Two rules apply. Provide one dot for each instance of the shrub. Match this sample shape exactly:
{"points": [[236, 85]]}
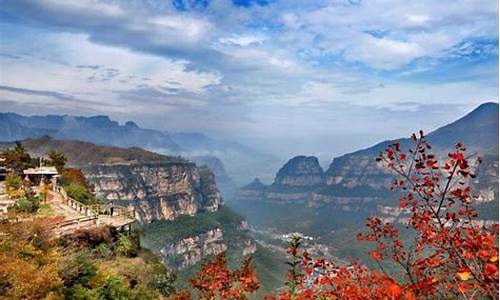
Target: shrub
{"points": [[71, 175], [79, 193], [78, 271], [216, 281], [125, 245], [103, 251], [165, 283], [27, 205], [91, 237], [14, 186]]}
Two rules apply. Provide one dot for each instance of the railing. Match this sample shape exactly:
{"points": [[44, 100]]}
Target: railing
{"points": [[96, 210], [88, 210], [78, 221]]}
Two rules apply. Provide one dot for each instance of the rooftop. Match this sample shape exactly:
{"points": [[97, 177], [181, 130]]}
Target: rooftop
{"points": [[41, 171]]}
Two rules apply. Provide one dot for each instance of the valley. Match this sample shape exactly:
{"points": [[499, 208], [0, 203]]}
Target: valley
{"points": [[188, 209]]}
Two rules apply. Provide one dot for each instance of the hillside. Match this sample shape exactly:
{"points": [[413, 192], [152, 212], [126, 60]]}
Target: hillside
{"points": [[82, 153], [478, 130]]}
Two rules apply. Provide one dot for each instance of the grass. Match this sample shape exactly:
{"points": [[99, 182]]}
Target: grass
{"points": [[45, 210]]}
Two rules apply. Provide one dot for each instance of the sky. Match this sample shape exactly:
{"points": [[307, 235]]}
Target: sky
{"points": [[285, 77]]}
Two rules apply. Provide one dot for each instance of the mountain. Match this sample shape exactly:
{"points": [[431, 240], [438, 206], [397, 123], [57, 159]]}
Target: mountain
{"points": [[226, 184], [478, 130], [300, 171], [84, 153], [158, 187], [238, 160], [97, 129], [332, 206]]}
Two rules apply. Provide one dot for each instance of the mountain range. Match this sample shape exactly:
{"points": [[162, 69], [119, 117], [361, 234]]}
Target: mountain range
{"points": [[102, 130], [332, 205]]}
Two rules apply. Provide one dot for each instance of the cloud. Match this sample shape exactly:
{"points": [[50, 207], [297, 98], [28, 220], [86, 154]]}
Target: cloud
{"points": [[56, 95], [253, 67]]}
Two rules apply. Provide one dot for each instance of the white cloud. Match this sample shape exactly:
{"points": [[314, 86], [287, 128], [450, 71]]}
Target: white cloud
{"points": [[243, 40]]}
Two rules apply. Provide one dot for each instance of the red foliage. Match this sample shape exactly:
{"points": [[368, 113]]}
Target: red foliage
{"points": [[452, 256], [216, 281], [76, 176]]}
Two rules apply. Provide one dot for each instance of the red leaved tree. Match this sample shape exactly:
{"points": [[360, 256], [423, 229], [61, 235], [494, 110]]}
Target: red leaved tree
{"points": [[216, 281], [453, 255]]}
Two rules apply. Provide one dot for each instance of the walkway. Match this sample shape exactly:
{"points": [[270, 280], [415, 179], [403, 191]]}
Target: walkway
{"points": [[57, 204], [80, 216]]}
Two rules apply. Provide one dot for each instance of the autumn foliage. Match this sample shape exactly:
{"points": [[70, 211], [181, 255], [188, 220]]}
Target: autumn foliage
{"points": [[452, 256], [216, 281]]}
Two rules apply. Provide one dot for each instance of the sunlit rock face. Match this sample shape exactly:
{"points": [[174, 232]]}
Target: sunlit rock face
{"points": [[301, 171], [189, 251], [157, 191]]}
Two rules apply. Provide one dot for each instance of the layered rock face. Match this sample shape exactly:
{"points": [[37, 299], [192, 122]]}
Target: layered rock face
{"points": [[191, 250], [157, 191], [357, 178], [301, 171]]}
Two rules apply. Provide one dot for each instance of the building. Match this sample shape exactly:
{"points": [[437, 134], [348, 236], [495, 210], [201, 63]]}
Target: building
{"points": [[37, 175]]}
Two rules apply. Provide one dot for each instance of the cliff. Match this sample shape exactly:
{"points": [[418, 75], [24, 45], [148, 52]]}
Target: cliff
{"points": [[300, 171], [157, 190], [159, 187], [187, 240]]}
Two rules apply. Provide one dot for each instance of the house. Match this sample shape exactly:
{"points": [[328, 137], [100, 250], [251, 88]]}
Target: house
{"points": [[37, 175]]}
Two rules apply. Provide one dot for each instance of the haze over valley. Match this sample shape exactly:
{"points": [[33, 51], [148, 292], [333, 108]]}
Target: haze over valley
{"points": [[249, 149]]}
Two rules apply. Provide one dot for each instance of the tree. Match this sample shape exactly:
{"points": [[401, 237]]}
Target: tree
{"points": [[14, 186], [452, 257], [17, 159], [57, 159], [216, 281], [70, 175]]}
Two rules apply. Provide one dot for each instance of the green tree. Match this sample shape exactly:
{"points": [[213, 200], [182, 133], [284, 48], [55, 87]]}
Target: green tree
{"points": [[17, 159], [57, 159], [14, 186], [79, 193]]}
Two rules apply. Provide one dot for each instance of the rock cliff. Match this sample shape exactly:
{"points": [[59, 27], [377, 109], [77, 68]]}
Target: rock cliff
{"points": [[157, 190], [356, 178], [159, 187], [300, 171], [190, 250]]}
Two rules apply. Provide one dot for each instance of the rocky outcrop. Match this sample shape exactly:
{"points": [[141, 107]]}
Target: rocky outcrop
{"points": [[224, 182], [254, 190], [300, 171], [351, 171], [157, 190], [191, 250]]}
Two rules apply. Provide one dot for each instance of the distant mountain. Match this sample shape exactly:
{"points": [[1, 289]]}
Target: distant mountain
{"points": [[478, 130], [224, 182], [300, 171], [356, 178], [98, 129], [241, 162]]}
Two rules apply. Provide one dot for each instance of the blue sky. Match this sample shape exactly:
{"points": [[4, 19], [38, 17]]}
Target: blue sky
{"points": [[289, 77]]}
